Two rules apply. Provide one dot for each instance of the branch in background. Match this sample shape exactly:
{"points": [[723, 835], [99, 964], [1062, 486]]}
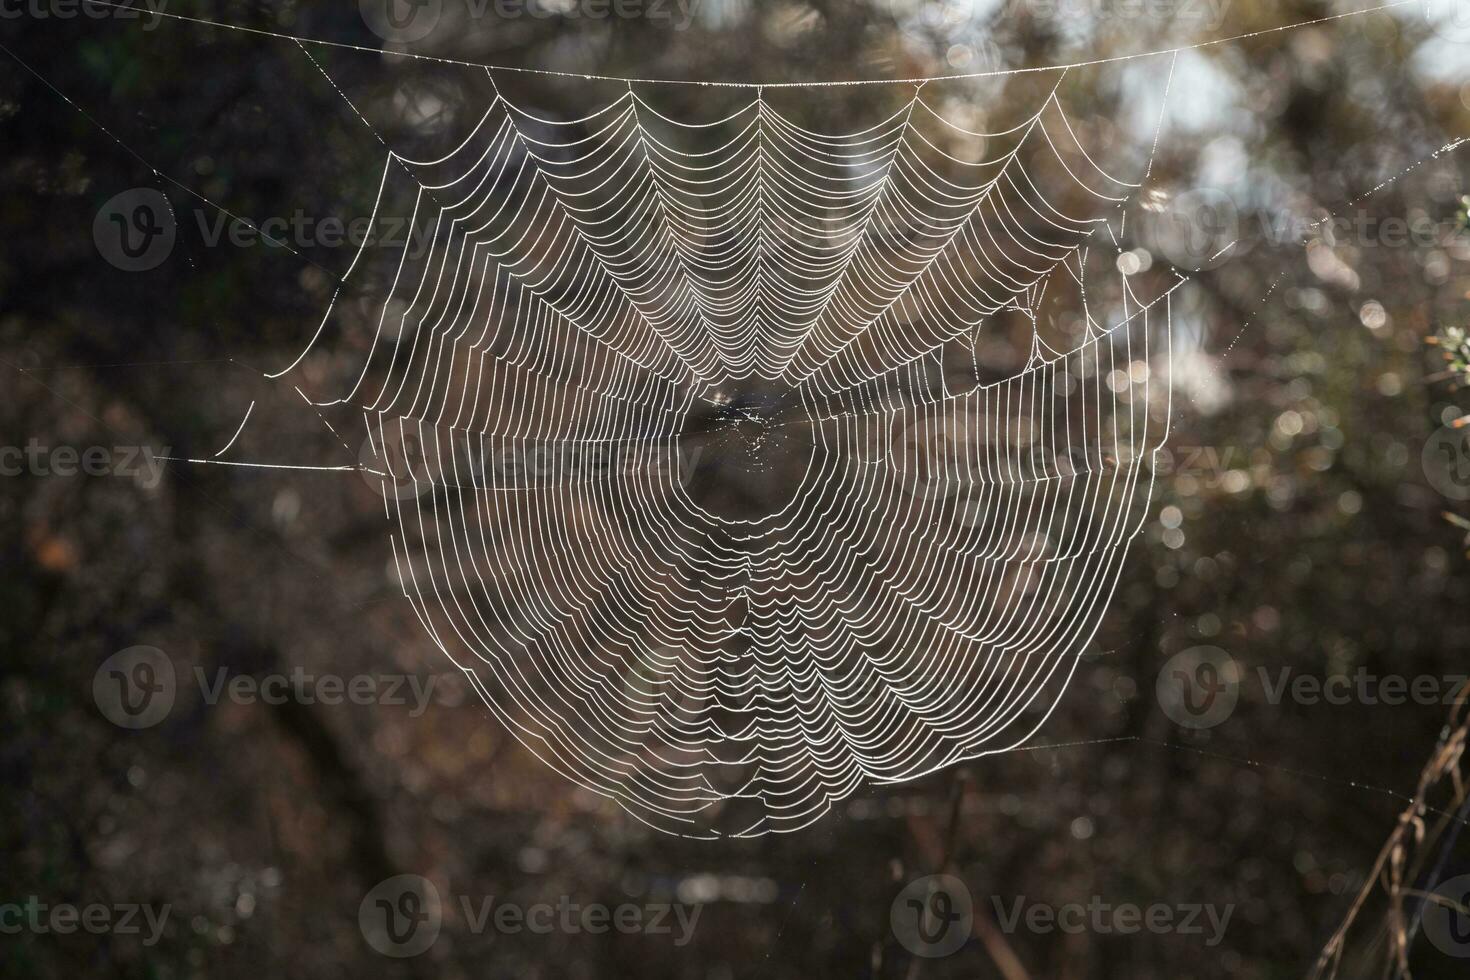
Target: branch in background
{"points": [[1408, 867]]}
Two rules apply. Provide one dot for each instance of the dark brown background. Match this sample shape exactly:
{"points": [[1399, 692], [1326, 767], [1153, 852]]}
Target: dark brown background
{"points": [[1333, 555]]}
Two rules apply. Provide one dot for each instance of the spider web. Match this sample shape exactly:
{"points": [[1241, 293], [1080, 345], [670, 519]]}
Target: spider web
{"points": [[888, 563], [676, 466]]}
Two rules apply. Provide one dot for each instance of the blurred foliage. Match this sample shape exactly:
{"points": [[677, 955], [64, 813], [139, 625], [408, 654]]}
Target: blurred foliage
{"points": [[1455, 343], [1302, 536]]}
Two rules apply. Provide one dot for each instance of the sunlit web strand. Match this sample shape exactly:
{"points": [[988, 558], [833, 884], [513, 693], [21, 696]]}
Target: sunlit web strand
{"points": [[996, 73]]}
